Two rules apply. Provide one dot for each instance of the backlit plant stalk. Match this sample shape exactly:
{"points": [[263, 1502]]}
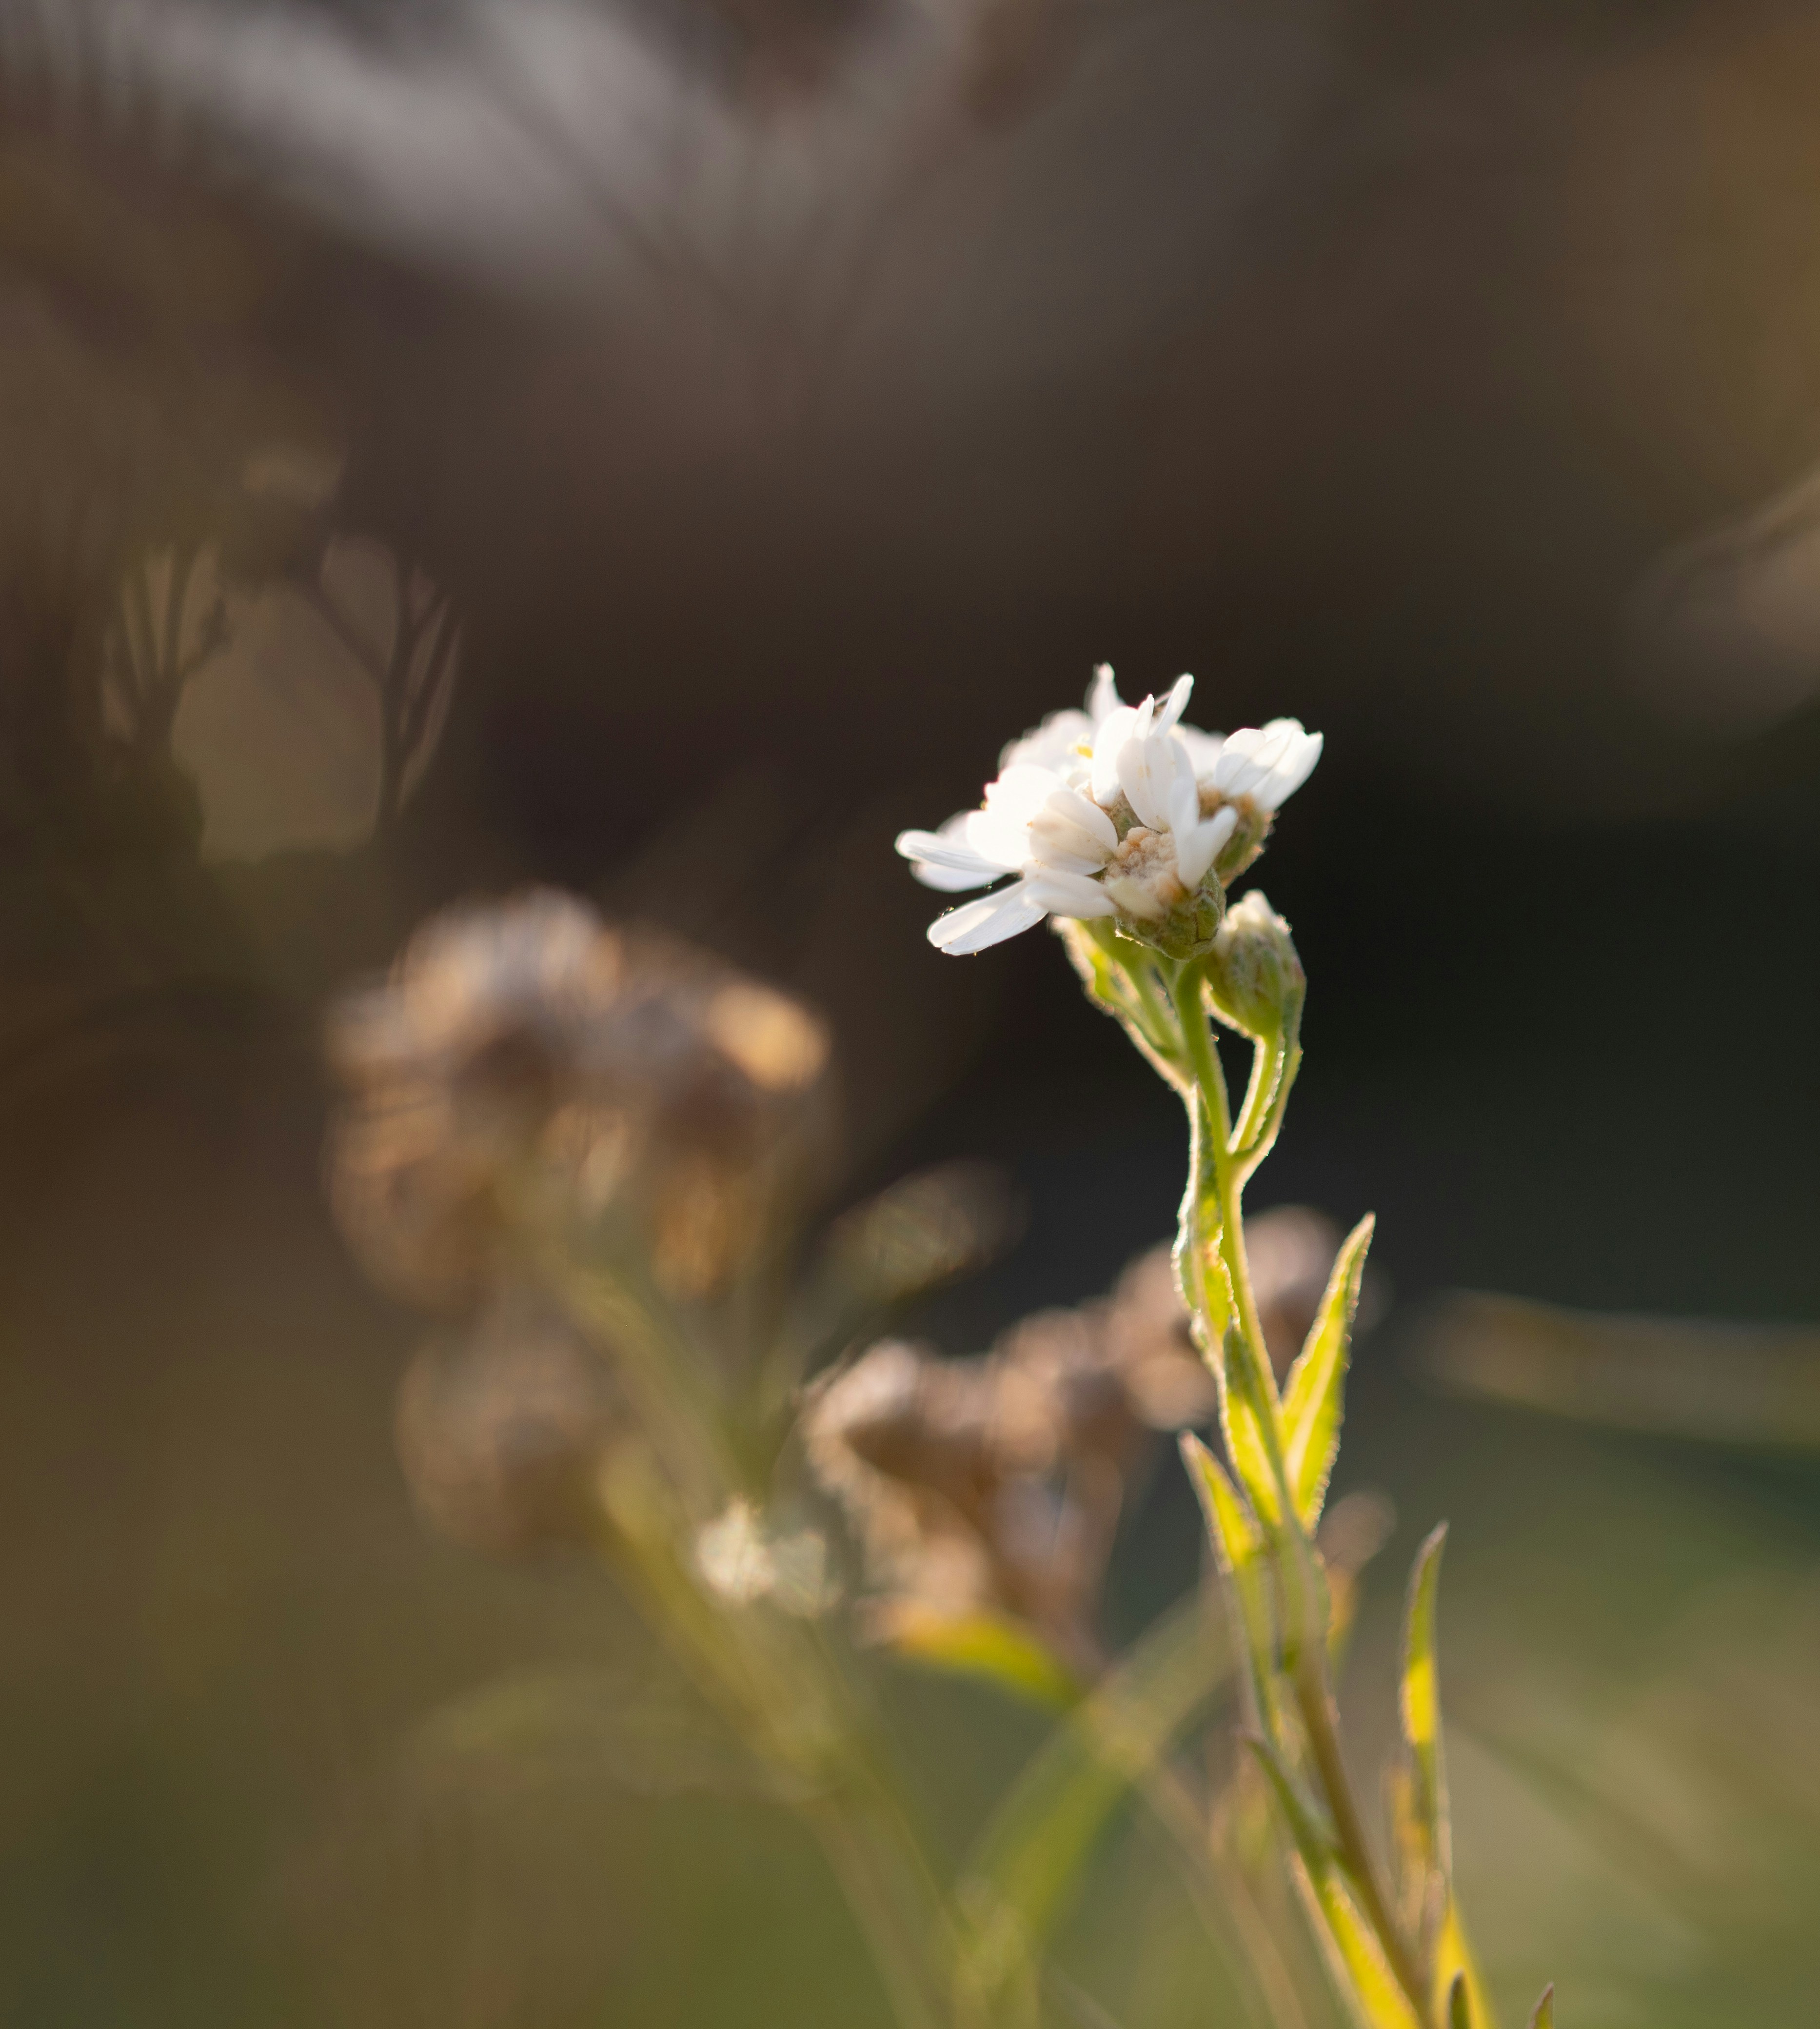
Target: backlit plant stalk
{"points": [[588, 1143], [1126, 827]]}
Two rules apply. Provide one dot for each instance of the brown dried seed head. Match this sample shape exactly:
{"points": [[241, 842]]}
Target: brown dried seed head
{"points": [[501, 1430]]}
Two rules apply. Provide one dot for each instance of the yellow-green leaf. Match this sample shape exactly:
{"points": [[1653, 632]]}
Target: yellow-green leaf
{"points": [[1247, 1408], [1003, 1651], [1543, 2017], [1239, 1549], [1314, 1400], [1421, 1715], [1361, 1971], [1459, 2008]]}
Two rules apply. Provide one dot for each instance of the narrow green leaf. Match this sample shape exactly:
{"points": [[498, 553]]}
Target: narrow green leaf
{"points": [[992, 1646], [1239, 1549], [1421, 1716], [1361, 1971], [1454, 1965], [1314, 1400], [1021, 1872], [1459, 2008], [1247, 1407], [1543, 2017]]}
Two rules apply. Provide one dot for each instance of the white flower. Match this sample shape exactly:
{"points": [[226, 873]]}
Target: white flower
{"points": [[1117, 809], [740, 1561]]}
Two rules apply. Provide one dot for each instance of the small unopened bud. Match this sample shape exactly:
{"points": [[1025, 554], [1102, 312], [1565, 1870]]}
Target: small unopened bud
{"points": [[1256, 978]]}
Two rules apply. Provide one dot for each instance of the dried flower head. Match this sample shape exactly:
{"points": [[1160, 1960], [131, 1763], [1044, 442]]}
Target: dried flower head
{"points": [[525, 1049], [500, 1428], [993, 1484]]}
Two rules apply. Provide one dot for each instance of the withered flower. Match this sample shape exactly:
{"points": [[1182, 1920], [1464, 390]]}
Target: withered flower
{"points": [[525, 1053], [994, 1484], [501, 1428]]}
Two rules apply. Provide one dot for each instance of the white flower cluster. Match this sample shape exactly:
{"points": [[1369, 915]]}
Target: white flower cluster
{"points": [[1115, 810]]}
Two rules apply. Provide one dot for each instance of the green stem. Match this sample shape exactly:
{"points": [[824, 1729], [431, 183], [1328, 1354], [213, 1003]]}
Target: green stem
{"points": [[1314, 1702], [1223, 1901], [888, 1890], [1233, 1158]]}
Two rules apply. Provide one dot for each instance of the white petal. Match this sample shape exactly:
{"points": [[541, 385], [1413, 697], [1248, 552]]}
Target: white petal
{"points": [[1197, 846], [976, 925], [1022, 790], [1250, 754], [940, 860], [1185, 802], [1176, 704], [1114, 730], [1004, 841], [1082, 810], [1290, 771], [1201, 748], [1053, 842], [1147, 770], [1057, 743], [954, 880], [1104, 698], [1068, 894]]}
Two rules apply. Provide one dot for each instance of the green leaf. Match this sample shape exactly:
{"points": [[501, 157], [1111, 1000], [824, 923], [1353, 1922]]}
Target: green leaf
{"points": [[1459, 2008], [1239, 1549], [1314, 1401], [1026, 1864], [1360, 1970], [1454, 1967], [1543, 2017], [1247, 1409], [993, 1646], [1420, 1701]]}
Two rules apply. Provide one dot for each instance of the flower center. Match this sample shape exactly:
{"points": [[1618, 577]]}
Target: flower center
{"points": [[1141, 875]]}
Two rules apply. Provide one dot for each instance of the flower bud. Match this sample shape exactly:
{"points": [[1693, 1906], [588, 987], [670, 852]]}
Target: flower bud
{"points": [[1256, 978]]}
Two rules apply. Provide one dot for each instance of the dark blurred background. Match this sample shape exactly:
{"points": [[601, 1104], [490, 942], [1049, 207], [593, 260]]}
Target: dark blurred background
{"points": [[784, 402]]}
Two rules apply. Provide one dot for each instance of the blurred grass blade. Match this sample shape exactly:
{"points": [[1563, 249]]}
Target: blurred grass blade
{"points": [[563, 1727], [1421, 1703], [1314, 1400], [1240, 1550], [1543, 2017], [1719, 1382], [1459, 2008], [1025, 1865], [992, 1646], [1361, 1972]]}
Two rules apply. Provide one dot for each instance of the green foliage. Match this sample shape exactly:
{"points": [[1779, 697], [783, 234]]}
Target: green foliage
{"points": [[1314, 1401], [1027, 1863], [1239, 1549], [1543, 2017], [1421, 1710], [1251, 1422], [990, 1646], [1362, 1970]]}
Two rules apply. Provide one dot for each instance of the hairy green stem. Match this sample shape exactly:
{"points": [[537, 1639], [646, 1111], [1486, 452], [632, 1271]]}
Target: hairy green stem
{"points": [[1232, 1158]]}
